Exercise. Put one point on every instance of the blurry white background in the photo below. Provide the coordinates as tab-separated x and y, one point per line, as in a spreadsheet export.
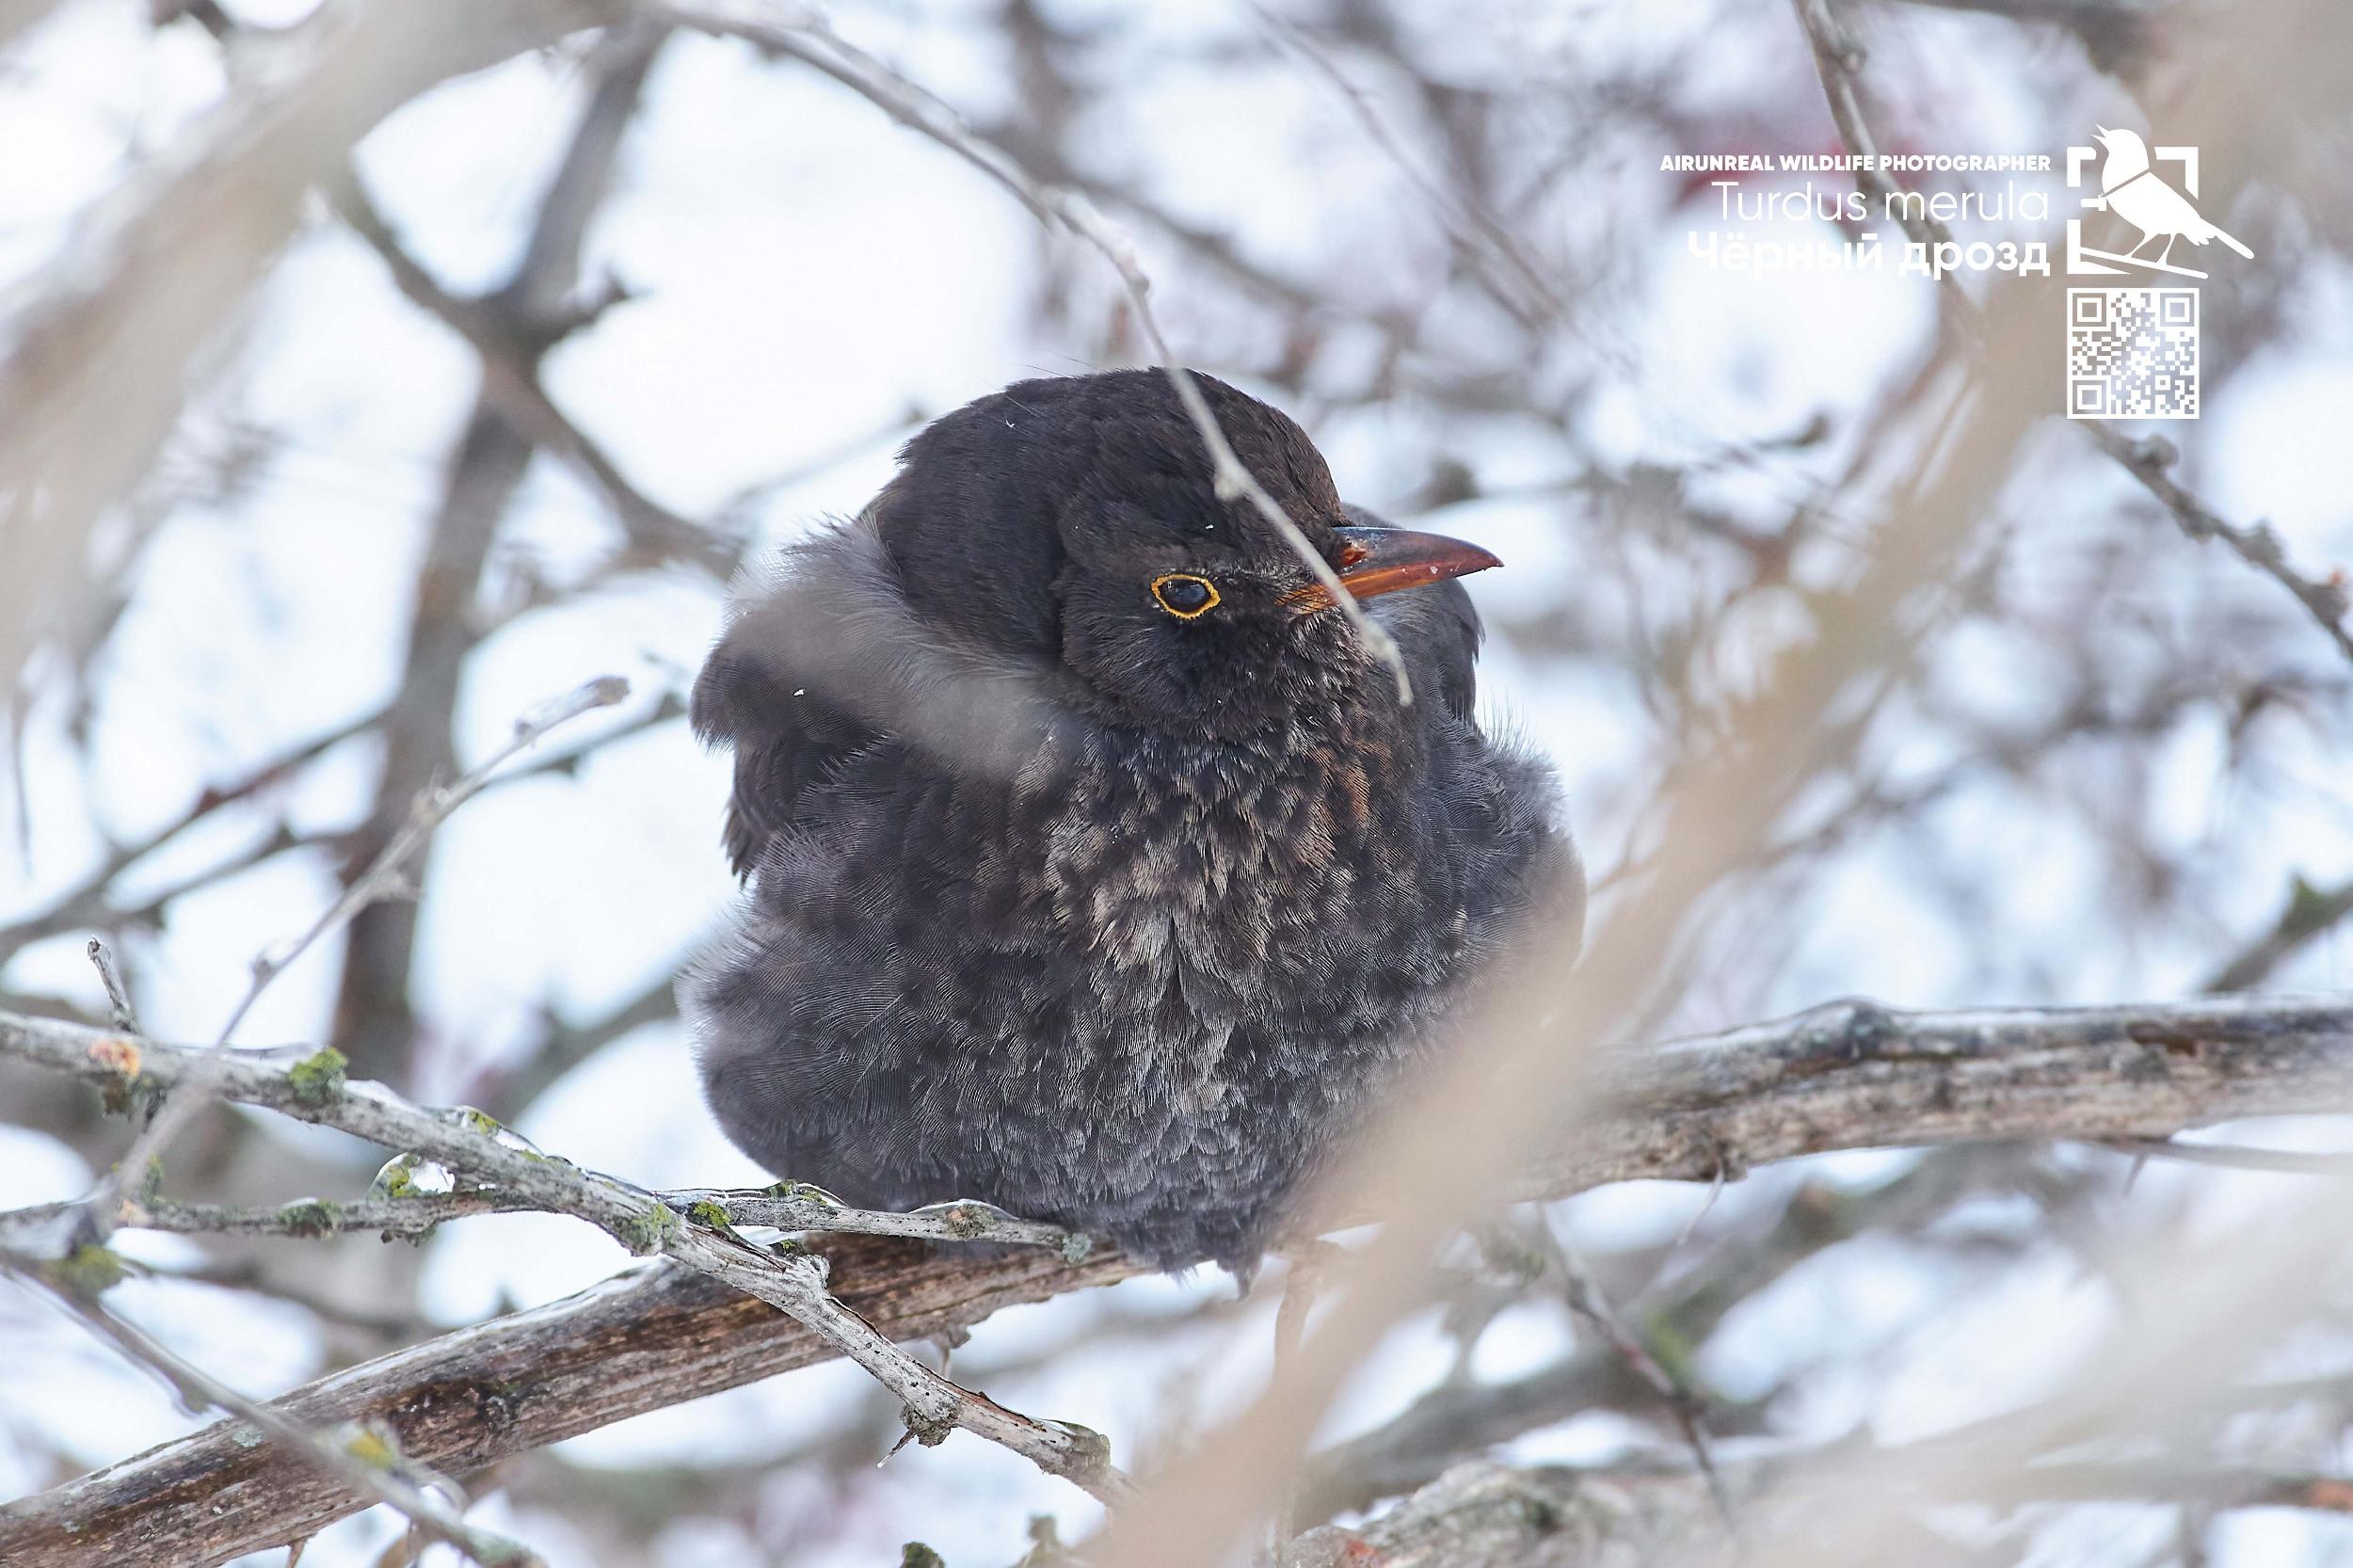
2114	759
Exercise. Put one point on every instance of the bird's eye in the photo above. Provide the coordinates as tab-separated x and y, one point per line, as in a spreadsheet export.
1183	595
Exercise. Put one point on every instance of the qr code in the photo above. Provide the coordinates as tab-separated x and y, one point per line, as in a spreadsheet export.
2132	353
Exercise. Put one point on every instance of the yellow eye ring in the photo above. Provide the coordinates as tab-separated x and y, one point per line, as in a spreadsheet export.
1174	591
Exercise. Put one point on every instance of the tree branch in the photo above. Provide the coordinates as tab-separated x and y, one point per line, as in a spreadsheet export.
1838	60
2150	460
410	1216
1487	1516
510	383
362	1461
1641	1514
1851	1076
643	1341
516	326
1461	1420
85	904
313	1088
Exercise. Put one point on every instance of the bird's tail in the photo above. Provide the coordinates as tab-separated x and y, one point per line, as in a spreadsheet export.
2233	244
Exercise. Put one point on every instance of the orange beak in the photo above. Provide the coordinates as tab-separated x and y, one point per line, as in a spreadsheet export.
1376	561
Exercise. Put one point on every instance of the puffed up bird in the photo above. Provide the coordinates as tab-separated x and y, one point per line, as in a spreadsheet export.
2137	194
1093	867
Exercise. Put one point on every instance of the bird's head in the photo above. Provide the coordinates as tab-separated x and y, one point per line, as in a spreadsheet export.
1074	524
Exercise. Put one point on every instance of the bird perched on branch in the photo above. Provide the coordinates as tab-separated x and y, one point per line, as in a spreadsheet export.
2137	194
1093	869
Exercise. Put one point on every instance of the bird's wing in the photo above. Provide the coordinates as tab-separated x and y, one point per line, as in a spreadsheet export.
1502	805
1438	633
786	738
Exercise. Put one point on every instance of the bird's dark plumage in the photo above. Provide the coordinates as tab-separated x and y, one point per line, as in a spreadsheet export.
1089	871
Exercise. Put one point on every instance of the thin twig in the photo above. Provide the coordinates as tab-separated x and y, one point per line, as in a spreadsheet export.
2235	1157
118	1010
1585	1298
568	763
796	1206
2150	460
787	1206
85	904
382	879
1476	231
252	1275
1838	60
789	29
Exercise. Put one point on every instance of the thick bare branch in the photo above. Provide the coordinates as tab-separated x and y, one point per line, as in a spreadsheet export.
643	1341
1854	1075
360	1460
1487	1516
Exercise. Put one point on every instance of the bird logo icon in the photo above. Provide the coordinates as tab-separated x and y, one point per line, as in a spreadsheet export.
2131	187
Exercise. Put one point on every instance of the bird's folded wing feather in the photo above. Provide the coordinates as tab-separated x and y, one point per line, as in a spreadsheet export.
787	739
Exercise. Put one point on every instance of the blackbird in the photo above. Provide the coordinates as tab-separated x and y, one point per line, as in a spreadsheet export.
1093	867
